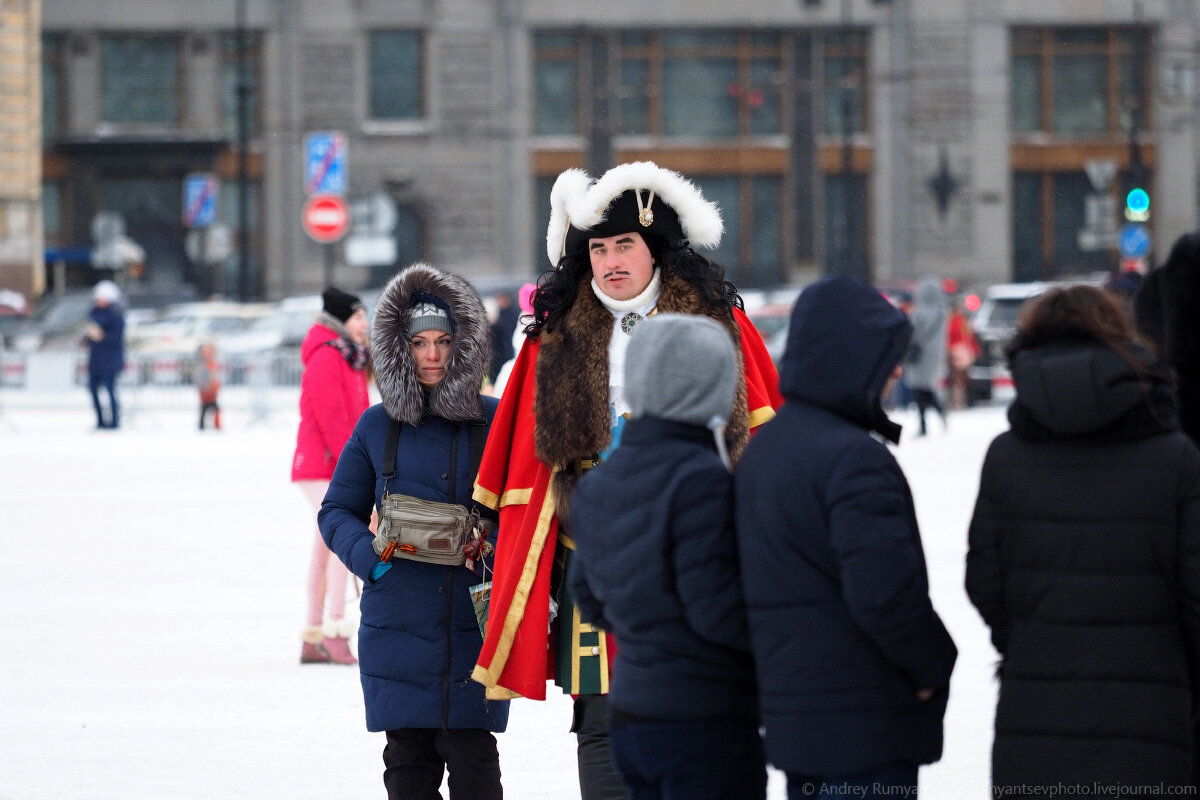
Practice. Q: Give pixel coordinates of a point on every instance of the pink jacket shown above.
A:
(333, 395)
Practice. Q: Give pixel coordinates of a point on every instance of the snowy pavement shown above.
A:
(154, 597)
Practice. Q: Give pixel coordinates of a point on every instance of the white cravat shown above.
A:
(642, 305)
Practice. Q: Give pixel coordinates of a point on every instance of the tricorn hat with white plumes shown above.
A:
(640, 196)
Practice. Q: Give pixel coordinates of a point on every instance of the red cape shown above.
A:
(515, 660)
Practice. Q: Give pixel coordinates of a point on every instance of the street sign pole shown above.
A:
(329, 263)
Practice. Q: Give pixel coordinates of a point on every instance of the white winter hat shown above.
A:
(106, 291)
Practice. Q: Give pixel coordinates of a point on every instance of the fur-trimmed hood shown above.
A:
(456, 396)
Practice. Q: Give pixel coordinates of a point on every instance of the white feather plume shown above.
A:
(700, 219)
(570, 185)
(576, 200)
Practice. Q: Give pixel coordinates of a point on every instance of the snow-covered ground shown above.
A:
(153, 595)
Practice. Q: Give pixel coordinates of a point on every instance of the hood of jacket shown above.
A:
(325, 328)
(844, 341)
(456, 396)
(1074, 388)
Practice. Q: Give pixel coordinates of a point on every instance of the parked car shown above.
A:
(166, 347)
(58, 320)
(995, 323)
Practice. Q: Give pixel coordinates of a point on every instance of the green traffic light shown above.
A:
(1137, 205)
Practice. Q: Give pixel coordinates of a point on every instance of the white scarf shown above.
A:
(643, 304)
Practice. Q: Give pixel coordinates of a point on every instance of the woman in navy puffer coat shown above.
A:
(418, 635)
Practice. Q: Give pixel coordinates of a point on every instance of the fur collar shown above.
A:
(571, 403)
(456, 396)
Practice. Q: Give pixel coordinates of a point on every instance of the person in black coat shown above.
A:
(656, 565)
(105, 339)
(1084, 558)
(1167, 311)
(853, 663)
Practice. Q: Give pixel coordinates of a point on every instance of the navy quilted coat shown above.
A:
(418, 637)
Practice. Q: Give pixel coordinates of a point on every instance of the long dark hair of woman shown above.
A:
(1081, 313)
(557, 288)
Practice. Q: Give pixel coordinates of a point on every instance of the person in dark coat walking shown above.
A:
(418, 634)
(662, 573)
(105, 338)
(853, 663)
(1084, 558)
(1167, 311)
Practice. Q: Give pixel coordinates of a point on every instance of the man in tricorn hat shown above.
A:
(622, 247)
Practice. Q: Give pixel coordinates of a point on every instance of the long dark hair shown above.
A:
(556, 288)
(1081, 313)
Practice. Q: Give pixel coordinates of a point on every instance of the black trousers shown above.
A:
(108, 382)
(212, 406)
(927, 399)
(718, 758)
(598, 776)
(415, 759)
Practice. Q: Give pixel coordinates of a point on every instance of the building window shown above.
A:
(556, 84)
(846, 243)
(140, 79)
(52, 221)
(718, 85)
(396, 77)
(1048, 212)
(52, 70)
(751, 207)
(1079, 82)
(844, 82)
(229, 84)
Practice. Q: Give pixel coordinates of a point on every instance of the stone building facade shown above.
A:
(880, 138)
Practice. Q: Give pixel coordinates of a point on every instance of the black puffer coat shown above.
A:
(833, 571)
(1167, 310)
(1085, 562)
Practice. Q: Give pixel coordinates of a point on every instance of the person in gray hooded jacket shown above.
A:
(656, 565)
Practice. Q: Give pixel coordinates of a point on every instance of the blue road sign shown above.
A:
(325, 163)
(200, 191)
(1134, 241)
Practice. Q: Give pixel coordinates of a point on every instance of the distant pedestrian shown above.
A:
(208, 384)
(925, 361)
(333, 395)
(964, 348)
(507, 315)
(662, 575)
(853, 663)
(105, 338)
(1084, 560)
(1167, 311)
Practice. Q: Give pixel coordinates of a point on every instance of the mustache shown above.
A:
(622, 272)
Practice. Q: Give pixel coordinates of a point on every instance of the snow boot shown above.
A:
(312, 648)
(336, 641)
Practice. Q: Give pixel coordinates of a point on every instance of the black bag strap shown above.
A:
(478, 430)
(389, 451)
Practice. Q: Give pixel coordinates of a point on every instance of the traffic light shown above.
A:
(1137, 205)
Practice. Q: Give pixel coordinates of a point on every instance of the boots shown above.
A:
(336, 641)
(312, 648)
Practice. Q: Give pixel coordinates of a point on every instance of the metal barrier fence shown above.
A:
(259, 383)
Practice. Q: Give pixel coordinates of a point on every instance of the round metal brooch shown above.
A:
(630, 321)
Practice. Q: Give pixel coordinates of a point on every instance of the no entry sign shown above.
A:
(326, 218)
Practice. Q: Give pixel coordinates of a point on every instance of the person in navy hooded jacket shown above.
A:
(656, 565)
(418, 635)
(105, 338)
(853, 663)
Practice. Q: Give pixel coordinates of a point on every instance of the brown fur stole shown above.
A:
(571, 405)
